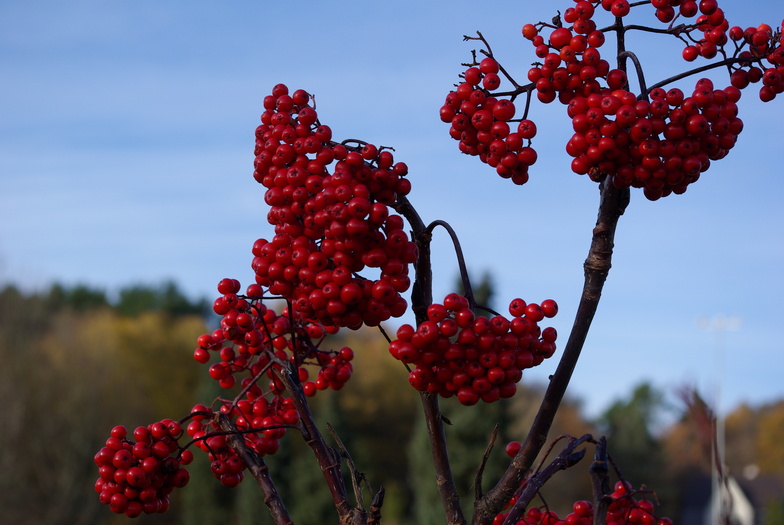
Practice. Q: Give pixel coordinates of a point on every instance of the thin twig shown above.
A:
(638, 69)
(567, 458)
(706, 67)
(469, 293)
(481, 469)
(356, 476)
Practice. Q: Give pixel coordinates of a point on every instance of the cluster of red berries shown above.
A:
(711, 22)
(456, 353)
(661, 146)
(261, 423)
(571, 62)
(627, 508)
(329, 226)
(254, 343)
(225, 463)
(138, 472)
(255, 340)
(480, 123)
(659, 141)
(763, 43)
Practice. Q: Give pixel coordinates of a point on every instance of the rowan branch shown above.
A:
(421, 298)
(565, 459)
(613, 202)
(600, 482)
(258, 469)
(327, 458)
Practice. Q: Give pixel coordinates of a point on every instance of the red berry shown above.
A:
(620, 8)
(488, 66)
(549, 308)
(561, 37)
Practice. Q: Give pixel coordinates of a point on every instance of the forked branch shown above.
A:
(613, 202)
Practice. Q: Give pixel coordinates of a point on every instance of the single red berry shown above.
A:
(549, 308)
(534, 312)
(561, 37)
(488, 65)
(620, 8)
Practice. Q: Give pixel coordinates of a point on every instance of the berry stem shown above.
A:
(706, 67)
(638, 69)
(250, 385)
(676, 30)
(444, 478)
(421, 298)
(356, 476)
(258, 468)
(327, 458)
(480, 471)
(489, 53)
(469, 293)
(597, 265)
(422, 290)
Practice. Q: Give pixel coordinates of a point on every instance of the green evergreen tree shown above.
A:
(628, 425)
(80, 297)
(166, 297)
(304, 486)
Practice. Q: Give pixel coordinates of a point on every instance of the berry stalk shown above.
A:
(259, 470)
(421, 298)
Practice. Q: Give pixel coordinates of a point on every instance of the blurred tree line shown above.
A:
(76, 363)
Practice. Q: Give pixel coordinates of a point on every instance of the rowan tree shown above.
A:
(347, 238)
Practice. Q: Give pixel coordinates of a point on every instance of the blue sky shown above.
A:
(126, 150)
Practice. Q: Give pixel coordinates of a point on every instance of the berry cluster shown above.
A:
(481, 123)
(658, 140)
(473, 357)
(329, 226)
(627, 508)
(254, 343)
(661, 146)
(763, 43)
(255, 340)
(225, 463)
(571, 62)
(711, 22)
(753, 46)
(137, 473)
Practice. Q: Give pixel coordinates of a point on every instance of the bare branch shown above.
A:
(567, 458)
(600, 482)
